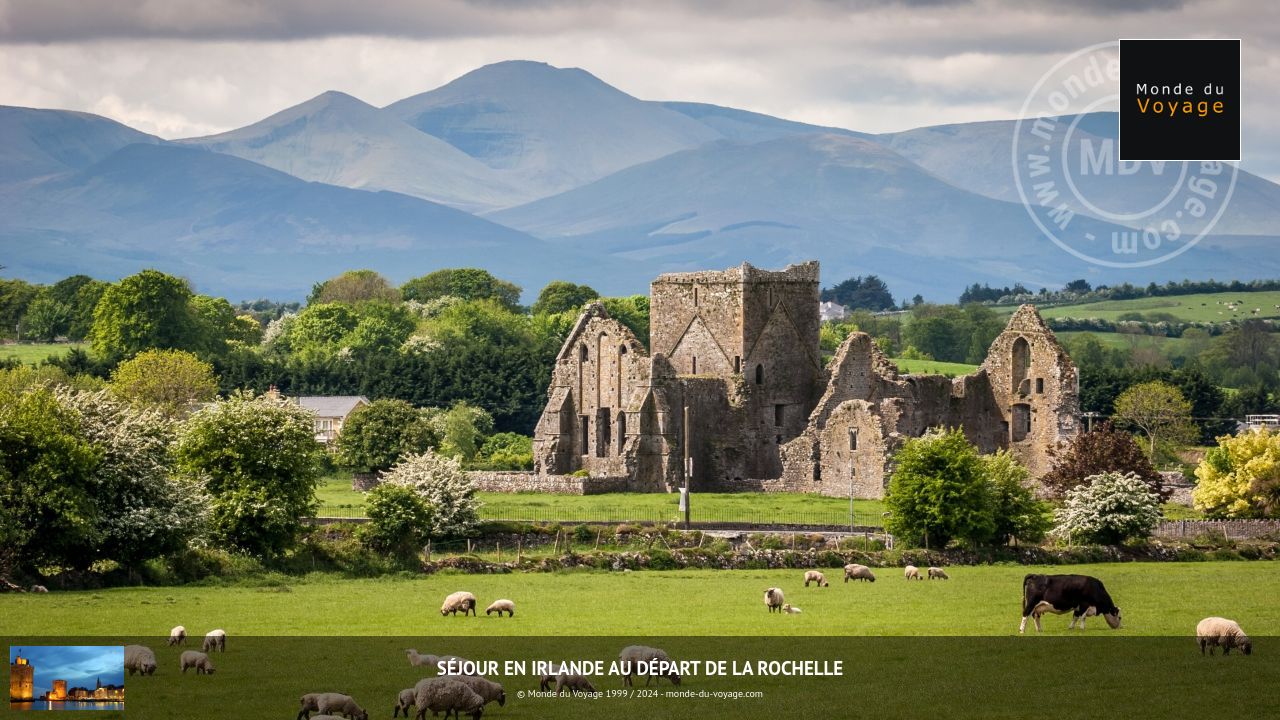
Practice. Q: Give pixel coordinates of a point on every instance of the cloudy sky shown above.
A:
(79, 665)
(188, 67)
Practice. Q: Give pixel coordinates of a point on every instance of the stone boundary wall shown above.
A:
(1231, 529)
(512, 481)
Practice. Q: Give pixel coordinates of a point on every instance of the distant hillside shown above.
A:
(1201, 307)
(39, 143)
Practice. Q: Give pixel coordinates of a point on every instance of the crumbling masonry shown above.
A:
(737, 353)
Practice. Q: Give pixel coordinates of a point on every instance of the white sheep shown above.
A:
(815, 576)
(489, 690)
(177, 636)
(215, 640)
(791, 609)
(911, 572)
(574, 683)
(39, 589)
(197, 660)
(858, 572)
(773, 599)
(139, 659)
(416, 659)
(937, 573)
(1213, 632)
(331, 703)
(501, 606)
(438, 693)
(632, 655)
(460, 601)
(403, 702)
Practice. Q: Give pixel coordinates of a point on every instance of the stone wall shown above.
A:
(1231, 529)
(529, 481)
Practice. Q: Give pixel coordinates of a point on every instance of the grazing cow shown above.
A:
(1080, 595)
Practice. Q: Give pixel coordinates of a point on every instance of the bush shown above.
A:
(445, 490)
(505, 451)
(399, 520)
(1111, 509)
(1241, 477)
(376, 436)
(939, 492)
(1103, 450)
(1017, 512)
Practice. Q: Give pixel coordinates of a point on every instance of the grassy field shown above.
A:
(1168, 346)
(934, 367)
(335, 493)
(33, 353)
(962, 659)
(1205, 307)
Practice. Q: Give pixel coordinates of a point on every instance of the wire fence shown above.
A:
(650, 516)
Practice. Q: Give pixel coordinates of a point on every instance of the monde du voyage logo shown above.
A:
(1149, 189)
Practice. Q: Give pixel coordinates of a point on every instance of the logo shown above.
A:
(1082, 196)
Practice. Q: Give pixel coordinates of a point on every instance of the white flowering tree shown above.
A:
(1109, 509)
(446, 491)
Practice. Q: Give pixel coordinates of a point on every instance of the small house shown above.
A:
(331, 412)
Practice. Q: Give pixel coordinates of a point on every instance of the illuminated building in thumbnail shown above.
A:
(22, 676)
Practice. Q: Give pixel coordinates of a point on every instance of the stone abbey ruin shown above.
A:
(736, 352)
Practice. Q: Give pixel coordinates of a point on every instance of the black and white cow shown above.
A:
(1080, 595)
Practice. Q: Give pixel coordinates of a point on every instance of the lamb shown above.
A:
(937, 573)
(197, 660)
(858, 572)
(631, 655)
(501, 606)
(438, 693)
(177, 636)
(815, 576)
(485, 688)
(215, 639)
(791, 609)
(331, 703)
(773, 599)
(574, 683)
(417, 659)
(911, 572)
(459, 601)
(139, 659)
(405, 701)
(1213, 632)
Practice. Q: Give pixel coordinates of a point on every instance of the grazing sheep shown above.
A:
(215, 639)
(197, 660)
(489, 690)
(139, 659)
(937, 573)
(574, 684)
(791, 609)
(773, 599)
(177, 636)
(501, 606)
(331, 703)
(403, 702)
(417, 659)
(1213, 632)
(858, 572)
(633, 654)
(39, 589)
(460, 601)
(815, 576)
(438, 693)
(911, 572)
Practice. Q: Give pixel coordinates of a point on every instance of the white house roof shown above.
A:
(331, 406)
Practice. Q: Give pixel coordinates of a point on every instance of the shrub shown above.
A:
(376, 436)
(1241, 477)
(1112, 508)
(400, 520)
(506, 451)
(1105, 449)
(445, 490)
(939, 492)
(1016, 511)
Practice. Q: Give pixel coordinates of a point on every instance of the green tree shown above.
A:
(506, 451)
(632, 311)
(320, 328)
(353, 287)
(1240, 478)
(82, 294)
(939, 492)
(144, 311)
(1159, 412)
(46, 318)
(1109, 510)
(1016, 511)
(867, 293)
(215, 322)
(15, 296)
(377, 435)
(171, 381)
(462, 430)
(1104, 449)
(447, 492)
(560, 296)
(258, 460)
(464, 283)
(400, 520)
